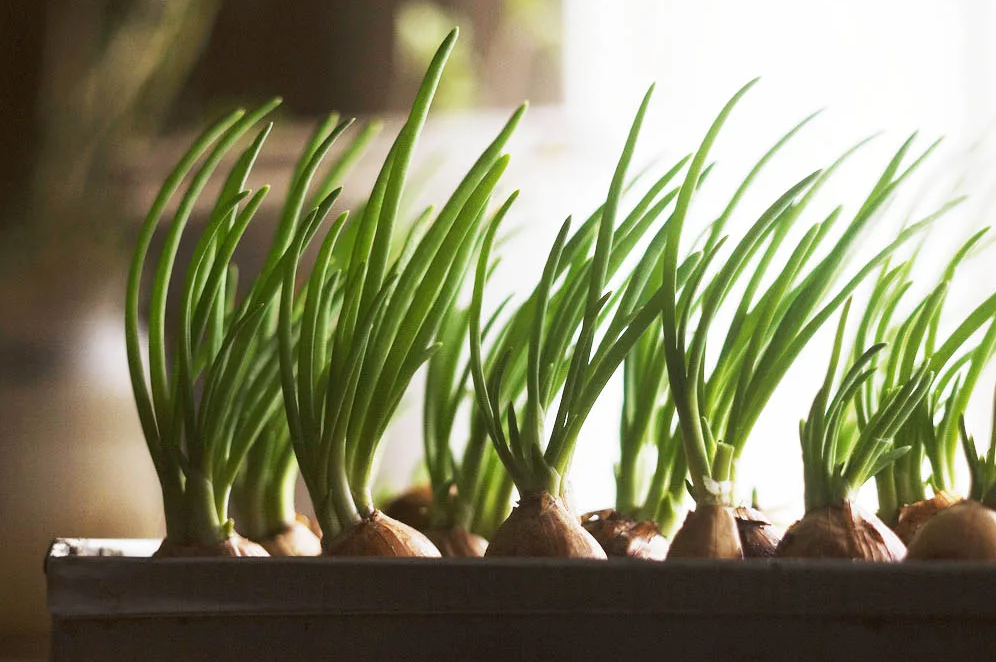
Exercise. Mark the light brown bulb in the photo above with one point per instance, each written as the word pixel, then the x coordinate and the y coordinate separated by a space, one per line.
pixel 847 531
pixel 296 539
pixel 620 535
pixel 914 515
pixel 380 535
pixel 708 532
pixel 758 535
pixel 457 542
pixel 541 525
pixel 233 546
pixel 966 532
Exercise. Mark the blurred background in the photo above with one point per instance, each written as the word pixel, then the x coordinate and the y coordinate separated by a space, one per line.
pixel 98 98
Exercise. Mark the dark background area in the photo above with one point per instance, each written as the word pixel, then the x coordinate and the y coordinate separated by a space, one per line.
pixel 96 100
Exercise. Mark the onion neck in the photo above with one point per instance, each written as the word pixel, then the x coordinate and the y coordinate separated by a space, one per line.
pixel 716 487
pixel 667 517
pixel 278 507
pixel 626 484
pixel 171 483
pixel 249 507
pixel 204 527
pixel 342 511
pixel 888 496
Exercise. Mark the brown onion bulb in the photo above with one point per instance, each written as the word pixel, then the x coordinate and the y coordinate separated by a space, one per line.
pixel 413 507
pixel 966 532
pixel 914 515
pixel 297 539
pixel 542 525
pixel 380 535
pixel 620 535
pixel 758 536
pixel 457 542
pixel 708 532
pixel 232 546
pixel 841 532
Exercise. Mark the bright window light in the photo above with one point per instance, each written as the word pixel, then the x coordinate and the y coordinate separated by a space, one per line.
pixel 881 66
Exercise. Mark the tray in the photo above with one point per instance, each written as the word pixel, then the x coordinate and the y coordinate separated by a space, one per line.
pixel 109 601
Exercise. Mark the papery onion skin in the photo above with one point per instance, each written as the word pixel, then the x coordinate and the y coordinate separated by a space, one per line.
pixel 234 546
pixel 965 532
pixel 845 531
pixel 708 532
pixel 541 525
pixel 758 535
pixel 620 535
pixel 457 542
pixel 915 515
pixel 380 535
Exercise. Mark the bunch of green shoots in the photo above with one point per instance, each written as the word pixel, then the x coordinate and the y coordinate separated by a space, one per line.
pixel 264 493
pixel 982 466
pixel 838 460
pixel 201 413
pixel 547 346
pixel 351 368
pixel 493 496
pixel 931 430
pixel 717 409
pixel 649 415
pixel 649 420
pixel 462 489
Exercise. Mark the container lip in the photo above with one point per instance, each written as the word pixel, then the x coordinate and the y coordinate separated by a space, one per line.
pixel 81 586
pixel 137 547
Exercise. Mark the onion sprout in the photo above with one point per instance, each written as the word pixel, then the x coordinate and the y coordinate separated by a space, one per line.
pixel 982 466
pixel 649 418
pixel 458 486
pixel 931 429
pixel 836 463
pixel 352 370
pixel 649 412
pixel 264 493
pixel 537 354
pixel 200 416
pixel 717 410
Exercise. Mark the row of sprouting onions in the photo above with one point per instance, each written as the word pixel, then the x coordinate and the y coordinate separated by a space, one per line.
pixel 302 367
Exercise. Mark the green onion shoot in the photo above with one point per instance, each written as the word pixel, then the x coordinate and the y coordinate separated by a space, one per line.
pixel 209 393
pixel 459 483
pixel 966 531
pixel 548 348
pixel 344 378
pixel 931 432
pixel 839 458
pixel 263 495
pixel 718 404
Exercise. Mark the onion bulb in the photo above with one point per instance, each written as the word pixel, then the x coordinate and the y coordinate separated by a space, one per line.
pixel 457 542
pixel 966 532
pixel 709 532
pixel 541 525
pixel 620 535
pixel 845 531
pixel 296 539
pixel 232 546
pixel 380 535
pixel 915 515
pixel 758 535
